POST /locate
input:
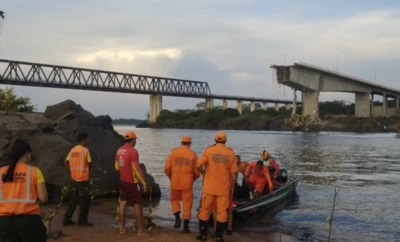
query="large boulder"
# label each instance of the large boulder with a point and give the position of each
(52, 136)
(66, 108)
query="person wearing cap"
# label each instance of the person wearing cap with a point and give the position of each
(79, 163)
(180, 167)
(220, 174)
(127, 163)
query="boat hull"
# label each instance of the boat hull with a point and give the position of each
(247, 209)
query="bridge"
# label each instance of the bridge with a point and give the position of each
(56, 76)
(311, 80)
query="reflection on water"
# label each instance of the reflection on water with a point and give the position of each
(366, 168)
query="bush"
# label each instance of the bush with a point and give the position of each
(11, 103)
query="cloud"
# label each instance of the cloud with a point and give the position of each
(151, 62)
(229, 44)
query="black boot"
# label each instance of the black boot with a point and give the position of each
(203, 226)
(186, 226)
(221, 227)
(177, 220)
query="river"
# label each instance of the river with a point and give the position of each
(366, 168)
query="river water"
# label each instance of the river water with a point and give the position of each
(366, 168)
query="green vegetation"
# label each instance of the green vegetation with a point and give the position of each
(11, 103)
(127, 121)
(215, 118)
(335, 115)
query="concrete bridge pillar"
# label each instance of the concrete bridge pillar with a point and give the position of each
(277, 107)
(252, 106)
(225, 104)
(384, 104)
(363, 105)
(239, 106)
(287, 106)
(155, 107)
(397, 102)
(309, 104)
(265, 106)
(209, 103)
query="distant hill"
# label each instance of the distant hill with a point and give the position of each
(127, 121)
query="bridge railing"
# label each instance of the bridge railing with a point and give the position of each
(44, 75)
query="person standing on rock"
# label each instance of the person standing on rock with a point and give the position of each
(180, 167)
(78, 162)
(127, 163)
(20, 186)
(220, 175)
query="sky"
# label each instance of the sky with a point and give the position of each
(230, 44)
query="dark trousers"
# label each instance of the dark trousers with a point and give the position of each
(26, 228)
(79, 195)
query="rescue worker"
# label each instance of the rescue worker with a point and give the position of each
(180, 167)
(127, 163)
(258, 179)
(21, 185)
(220, 173)
(271, 165)
(230, 215)
(79, 163)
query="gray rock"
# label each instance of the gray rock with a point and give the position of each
(69, 108)
(52, 136)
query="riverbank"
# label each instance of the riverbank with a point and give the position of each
(229, 119)
(102, 215)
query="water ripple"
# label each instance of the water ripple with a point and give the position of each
(365, 166)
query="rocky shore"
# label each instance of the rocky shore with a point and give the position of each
(53, 134)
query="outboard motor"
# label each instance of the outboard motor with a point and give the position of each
(282, 176)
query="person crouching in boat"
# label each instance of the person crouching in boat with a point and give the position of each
(180, 167)
(21, 185)
(272, 166)
(258, 179)
(242, 191)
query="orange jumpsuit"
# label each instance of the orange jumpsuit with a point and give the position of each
(259, 178)
(181, 169)
(220, 163)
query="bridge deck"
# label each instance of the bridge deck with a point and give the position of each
(374, 86)
(56, 76)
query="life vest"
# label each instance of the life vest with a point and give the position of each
(19, 196)
(78, 164)
(268, 164)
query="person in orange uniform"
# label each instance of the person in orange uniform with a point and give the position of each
(127, 163)
(181, 169)
(21, 185)
(271, 165)
(230, 215)
(78, 162)
(259, 178)
(220, 173)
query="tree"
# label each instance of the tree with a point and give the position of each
(10, 102)
(201, 105)
(1, 14)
